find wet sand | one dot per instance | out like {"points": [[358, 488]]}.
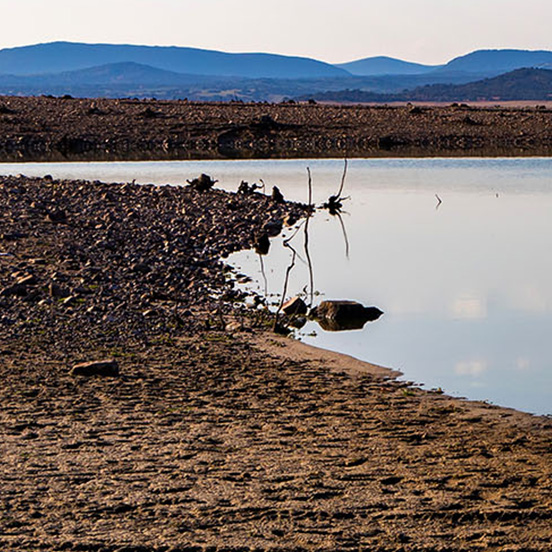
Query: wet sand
{"points": [[56, 129], [216, 435]]}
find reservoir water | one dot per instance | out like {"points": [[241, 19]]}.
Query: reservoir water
{"points": [[456, 252]]}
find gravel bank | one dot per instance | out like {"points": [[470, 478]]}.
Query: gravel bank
{"points": [[55, 129]]}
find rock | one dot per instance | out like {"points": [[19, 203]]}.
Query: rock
{"points": [[344, 315], [69, 301], [27, 281], [262, 244], [277, 196], [291, 219], [54, 290], [294, 306], [143, 268], [203, 183], [105, 368], [4, 110], [19, 288], [245, 188], [298, 322], [149, 113], [57, 216], [273, 227]]}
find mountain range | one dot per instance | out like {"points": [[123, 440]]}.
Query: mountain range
{"points": [[57, 57], [93, 70]]}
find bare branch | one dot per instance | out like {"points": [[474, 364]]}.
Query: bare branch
{"points": [[343, 180]]}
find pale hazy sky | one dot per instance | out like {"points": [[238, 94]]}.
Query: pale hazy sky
{"points": [[426, 31]]}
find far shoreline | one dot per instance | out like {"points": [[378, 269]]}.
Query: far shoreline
{"points": [[45, 129]]}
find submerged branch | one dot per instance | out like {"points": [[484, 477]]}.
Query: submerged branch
{"points": [[264, 276], [345, 236], [286, 283]]}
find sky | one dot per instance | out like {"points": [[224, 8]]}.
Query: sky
{"points": [[424, 31]]}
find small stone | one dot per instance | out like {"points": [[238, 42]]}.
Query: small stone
{"points": [[273, 228], [277, 196], [262, 244], [68, 301], [56, 291], [27, 281], [57, 216], [105, 368], [290, 219], [295, 306]]}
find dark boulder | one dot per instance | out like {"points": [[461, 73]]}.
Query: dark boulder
{"points": [[277, 196], [273, 227], [20, 287], [246, 189], [344, 315], [203, 183], [295, 306], [262, 244]]}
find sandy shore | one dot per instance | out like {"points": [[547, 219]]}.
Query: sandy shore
{"points": [[56, 129], [215, 435]]}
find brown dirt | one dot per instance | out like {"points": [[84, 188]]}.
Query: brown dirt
{"points": [[79, 129], [216, 436]]}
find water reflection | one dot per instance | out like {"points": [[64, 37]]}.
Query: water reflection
{"points": [[332, 316], [469, 308]]}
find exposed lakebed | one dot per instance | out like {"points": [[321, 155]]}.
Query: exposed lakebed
{"points": [[464, 284]]}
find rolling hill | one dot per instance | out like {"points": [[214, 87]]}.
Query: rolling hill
{"points": [[382, 65], [57, 57], [495, 62]]}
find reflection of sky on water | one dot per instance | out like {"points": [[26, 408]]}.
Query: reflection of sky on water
{"points": [[466, 288]]}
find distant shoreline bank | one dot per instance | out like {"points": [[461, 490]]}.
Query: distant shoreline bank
{"points": [[70, 129]]}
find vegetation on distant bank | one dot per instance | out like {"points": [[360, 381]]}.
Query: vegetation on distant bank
{"points": [[521, 84]]}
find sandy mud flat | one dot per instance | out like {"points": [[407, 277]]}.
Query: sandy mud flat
{"points": [[57, 129], [214, 434]]}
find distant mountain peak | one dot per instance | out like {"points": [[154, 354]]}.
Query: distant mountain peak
{"points": [[384, 65]]}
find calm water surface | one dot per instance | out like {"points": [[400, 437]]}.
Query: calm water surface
{"points": [[466, 286]]}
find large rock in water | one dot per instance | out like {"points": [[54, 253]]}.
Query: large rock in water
{"points": [[344, 315]]}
